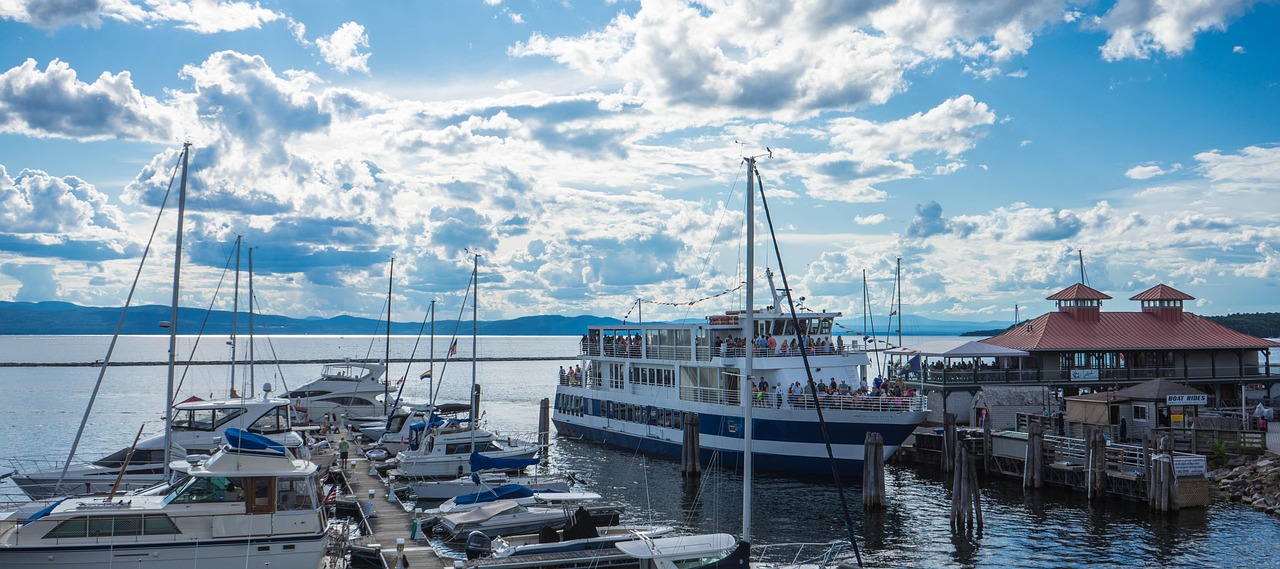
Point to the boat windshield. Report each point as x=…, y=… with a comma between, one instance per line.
x=199, y=490
x=204, y=419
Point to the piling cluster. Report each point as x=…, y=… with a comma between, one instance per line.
x=1256, y=483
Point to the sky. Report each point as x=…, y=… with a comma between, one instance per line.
x=592, y=153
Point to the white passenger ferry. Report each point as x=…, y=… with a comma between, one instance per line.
x=636, y=381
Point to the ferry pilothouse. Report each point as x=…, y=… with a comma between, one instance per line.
x=636, y=381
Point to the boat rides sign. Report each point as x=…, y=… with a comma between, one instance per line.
x=1202, y=399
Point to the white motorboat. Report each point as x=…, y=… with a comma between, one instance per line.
x=508, y=517
x=197, y=428
x=448, y=447
x=250, y=500
x=438, y=490
x=348, y=388
x=522, y=495
x=704, y=551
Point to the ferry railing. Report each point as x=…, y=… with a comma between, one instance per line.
x=902, y=404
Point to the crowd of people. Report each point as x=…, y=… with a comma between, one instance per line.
x=830, y=394
x=767, y=345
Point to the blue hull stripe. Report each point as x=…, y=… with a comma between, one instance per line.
x=817, y=466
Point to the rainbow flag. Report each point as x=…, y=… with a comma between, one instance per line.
x=425, y=375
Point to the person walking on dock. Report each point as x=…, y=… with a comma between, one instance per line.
x=344, y=448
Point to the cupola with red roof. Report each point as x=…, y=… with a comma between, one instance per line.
x=1164, y=302
x=1080, y=301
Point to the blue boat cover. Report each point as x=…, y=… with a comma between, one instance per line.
x=244, y=440
x=504, y=492
x=481, y=463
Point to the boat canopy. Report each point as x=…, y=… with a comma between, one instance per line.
x=504, y=492
x=239, y=439
x=481, y=463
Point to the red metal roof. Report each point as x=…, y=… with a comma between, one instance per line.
x=1059, y=331
x=1079, y=291
x=1162, y=292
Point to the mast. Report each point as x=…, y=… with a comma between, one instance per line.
x=386, y=360
x=749, y=327
x=475, y=313
x=173, y=313
x=898, y=287
x=252, y=380
x=235, y=312
x=431, y=362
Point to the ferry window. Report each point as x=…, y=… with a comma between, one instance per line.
x=778, y=327
x=159, y=525
x=825, y=326
x=70, y=528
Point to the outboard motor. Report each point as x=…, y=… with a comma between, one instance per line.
x=478, y=545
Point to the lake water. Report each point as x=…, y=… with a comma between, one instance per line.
x=41, y=407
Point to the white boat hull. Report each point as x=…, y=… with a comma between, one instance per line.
x=290, y=553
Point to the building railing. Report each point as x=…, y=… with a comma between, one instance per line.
x=1084, y=377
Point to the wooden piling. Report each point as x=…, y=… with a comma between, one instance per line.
x=873, y=471
x=1033, y=466
x=986, y=445
x=966, y=509
x=544, y=427
x=1163, y=478
x=1096, y=464
x=975, y=498
x=948, y=441
x=690, y=458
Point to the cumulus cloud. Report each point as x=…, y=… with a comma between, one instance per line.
x=791, y=58
x=1267, y=267
x=1238, y=50
x=52, y=14
x=54, y=103
x=1254, y=167
x=200, y=16
x=1139, y=29
x=874, y=219
x=59, y=217
x=1148, y=171
x=342, y=48
x=869, y=153
x=37, y=281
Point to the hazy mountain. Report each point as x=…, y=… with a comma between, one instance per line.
x=66, y=318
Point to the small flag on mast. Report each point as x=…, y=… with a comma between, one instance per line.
x=453, y=347
x=425, y=375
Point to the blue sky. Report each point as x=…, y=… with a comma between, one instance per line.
x=591, y=151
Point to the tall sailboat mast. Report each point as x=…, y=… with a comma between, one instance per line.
x=475, y=314
x=386, y=360
x=748, y=332
x=249, y=390
x=173, y=312
x=235, y=313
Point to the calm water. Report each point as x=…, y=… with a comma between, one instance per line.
x=42, y=407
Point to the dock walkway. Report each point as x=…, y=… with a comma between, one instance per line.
x=392, y=522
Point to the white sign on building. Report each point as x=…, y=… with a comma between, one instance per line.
x=1201, y=399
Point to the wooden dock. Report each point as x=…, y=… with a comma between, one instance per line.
x=392, y=522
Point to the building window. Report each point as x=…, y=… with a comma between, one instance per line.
x=1140, y=413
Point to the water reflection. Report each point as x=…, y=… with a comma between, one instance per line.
x=1023, y=528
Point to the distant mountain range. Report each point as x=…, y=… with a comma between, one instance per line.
x=67, y=318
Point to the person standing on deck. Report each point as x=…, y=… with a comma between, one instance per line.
x=344, y=448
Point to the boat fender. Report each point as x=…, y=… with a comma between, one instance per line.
x=478, y=545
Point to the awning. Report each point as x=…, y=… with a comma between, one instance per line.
x=957, y=349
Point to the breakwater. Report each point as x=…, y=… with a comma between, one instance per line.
x=1255, y=482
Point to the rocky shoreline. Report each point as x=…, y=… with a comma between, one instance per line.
x=1252, y=481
